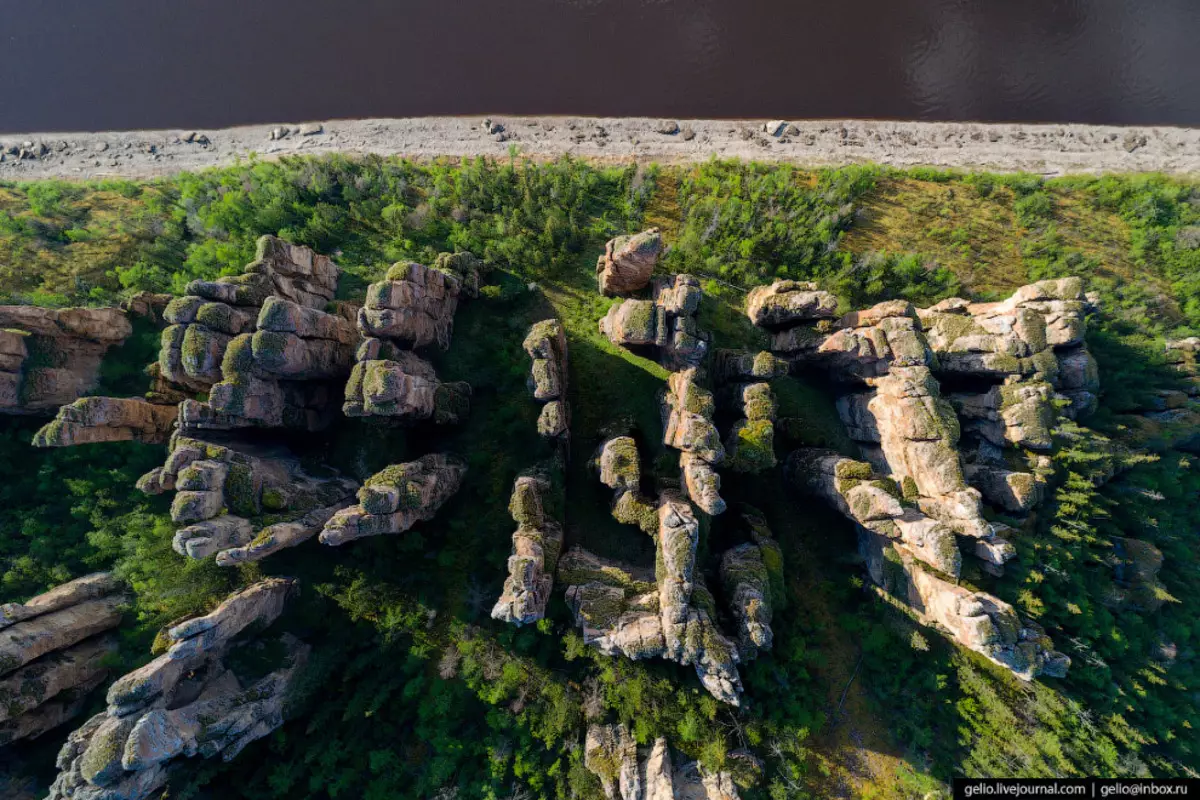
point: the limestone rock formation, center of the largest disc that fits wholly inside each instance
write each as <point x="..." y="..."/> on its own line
<point x="537" y="543"/>
<point x="53" y="650"/>
<point x="221" y="491"/>
<point x="787" y="303"/>
<point x="414" y="305"/>
<point x="401" y="385"/>
<point x="203" y="323"/>
<point x="622" y="613"/>
<point x="287" y="373"/>
<point x="677" y="300"/>
<point x="546" y="344"/>
<point x="975" y="620"/>
<point x="748" y="590"/>
<point x="628" y="262"/>
<point x="637" y="323"/>
<point x="394" y="500"/>
<point x="611" y="754"/>
<point x="687" y="412"/>
<point x="191" y="700"/>
<point x="50" y="357"/>
<point x="876" y="503"/>
<point x="740" y="366"/>
<point x="750" y="445"/>
<point x="89" y="420"/>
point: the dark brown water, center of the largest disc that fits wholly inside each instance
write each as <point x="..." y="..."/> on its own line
<point x="108" y="64"/>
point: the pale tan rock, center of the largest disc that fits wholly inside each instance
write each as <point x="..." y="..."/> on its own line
<point x="975" y="620"/>
<point x="687" y="418"/>
<point x="406" y="388"/>
<point x="738" y="366"/>
<point x="628" y="262"/>
<point x="610" y="753"/>
<point x="49" y="357"/>
<point x="90" y="420"/>
<point x="703" y="484"/>
<point x="536" y="546"/>
<point x="636" y="323"/>
<point x="546" y="344"/>
<point x="414" y="305"/>
<point x="394" y="500"/>
<point x="748" y="592"/>
<point x="34" y="684"/>
<point x="187" y="702"/>
<point x="1016" y="492"/>
<point x="655" y="773"/>
<point x="788" y="303"/>
<point x="619" y="463"/>
<point x="678" y="295"/>
<point x="89" y="587"/>
<point x="26" y="641"/>
<point x="281" y="536"/>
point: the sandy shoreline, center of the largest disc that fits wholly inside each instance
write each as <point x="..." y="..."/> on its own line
<point x="1045" y="149"/>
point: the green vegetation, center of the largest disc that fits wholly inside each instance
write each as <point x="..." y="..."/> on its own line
<point x="412" y="690"/>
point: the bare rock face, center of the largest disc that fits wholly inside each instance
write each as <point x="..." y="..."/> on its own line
<point x="628" y="262"/>
<point x="627" y="611"/>
<point x="788" y="303"/>
<point x="975" y="620"/>
<point x="466" y="267"/>
<point x="875" y="503"/>
<point x="702" y="483"/>
<point x="189" y="701"/>
<point x="414" y="306"/>
<point x="687" y="418"/>
<point x="222" y="492"/>
<point x="1015" y="492"/>
<point x="546" y="344"/>
<point x="537" y="543"/>
<point x="619" y="464"/>
<point x="748" y="589"/>
<point x="50" y="357"/>
<point x="394" y="500"/>
<point x="52" y="653"/>
<point x="866" y="344"/>
<point x="740" y="366"/>
<point x="203" y="323"/>
<point x="89" y="420"/>
<point x="287" y="372"/>
<point x="750" y="445"/>
<point x="403" y="386"/>
<point x="677" y="300"/>
<point x="611" y="754"/>
<point x="1019" y="413"/>
<point x="637" y="323"/>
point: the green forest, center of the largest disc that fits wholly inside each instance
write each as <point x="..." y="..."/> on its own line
<point x="413" y="691"/>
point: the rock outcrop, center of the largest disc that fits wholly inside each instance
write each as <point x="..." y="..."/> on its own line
<point x="741" y="366"/>
<point x="193" y="700"/>
<point x="50" y="357"/>
<point x="622" y="613"/>
<point x="288" y="372"/>
<point x="747" y="585"/>
<point x="976" y="620"/>
<point x="53" y="651"/>
<point x="667" y="322"/>
<point x="394" y="500"/>
<point x="90" y="420"/>
<point x="877" y="503"/>
<point x="687" y="412"/>
<point x="628" y="262"/>
<point x="636" y="323"/>
<point x="785" y="304"/>
<point x="203" y="323"/>
<point x="537" y="543"/>
<point x="398" y="384"/>
<point x="414" y="306"/>
<point x="611" y="754"/>
<point x="221" y="494"/>
<point x="618" y="465"/>
<point x="750" y="445"/>
<point x="546" y="344"/>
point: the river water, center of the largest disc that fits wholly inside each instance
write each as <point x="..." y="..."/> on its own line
<point x="119" y="64"/>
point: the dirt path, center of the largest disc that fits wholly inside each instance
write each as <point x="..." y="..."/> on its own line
<point x="1046" y="149"/>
